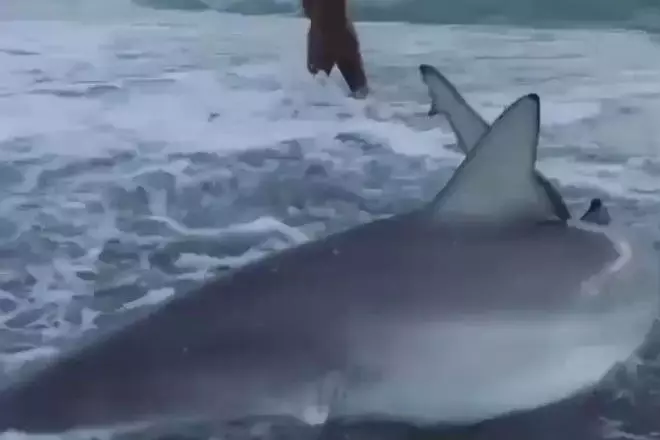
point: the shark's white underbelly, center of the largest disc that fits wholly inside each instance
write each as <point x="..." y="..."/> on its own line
<point x="477" y="369"/>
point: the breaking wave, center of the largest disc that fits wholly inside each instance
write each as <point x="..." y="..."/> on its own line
<point x="617" y="13"/>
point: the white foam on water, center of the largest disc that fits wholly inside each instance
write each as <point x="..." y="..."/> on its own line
<point x="147" y="85"/>
<point x="151" y="298"/>
<point x="617" y="180"/>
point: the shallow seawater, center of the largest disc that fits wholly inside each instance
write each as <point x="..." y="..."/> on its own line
<point x="142" y="156"/>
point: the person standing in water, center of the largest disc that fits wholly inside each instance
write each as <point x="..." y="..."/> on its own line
<point x="332" y="40"/>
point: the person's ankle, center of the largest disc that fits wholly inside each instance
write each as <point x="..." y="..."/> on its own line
<point x="360" y="92"/>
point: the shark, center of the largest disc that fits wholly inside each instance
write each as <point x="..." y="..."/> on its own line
<point x="481" y="302"/>
<point x="469" y="126"/>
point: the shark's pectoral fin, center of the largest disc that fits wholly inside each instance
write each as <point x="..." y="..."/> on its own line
<point x="497" y="182"/>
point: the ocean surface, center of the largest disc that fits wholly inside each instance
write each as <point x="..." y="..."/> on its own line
<point x="149" y="146"/>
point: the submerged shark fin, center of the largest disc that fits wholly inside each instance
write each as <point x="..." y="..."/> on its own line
<point x="469" y="126"/>
<point x="496" y="181"/>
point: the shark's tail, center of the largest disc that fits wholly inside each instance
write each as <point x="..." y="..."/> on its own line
<point x="467" y="124"/>
<point x="443" y="93"/>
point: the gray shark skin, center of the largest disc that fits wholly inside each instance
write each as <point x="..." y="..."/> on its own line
<point x="476" y="305"/>
<point x="469" y="126"/>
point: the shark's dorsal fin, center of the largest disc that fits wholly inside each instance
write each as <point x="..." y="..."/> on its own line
<point x="469" y="126"/>
<point x="496" y="182"/>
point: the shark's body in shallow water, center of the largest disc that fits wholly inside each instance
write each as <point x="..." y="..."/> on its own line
<point x="483" y="302"/>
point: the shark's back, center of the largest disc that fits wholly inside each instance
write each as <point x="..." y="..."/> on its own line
<point x="304" y="313"/>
